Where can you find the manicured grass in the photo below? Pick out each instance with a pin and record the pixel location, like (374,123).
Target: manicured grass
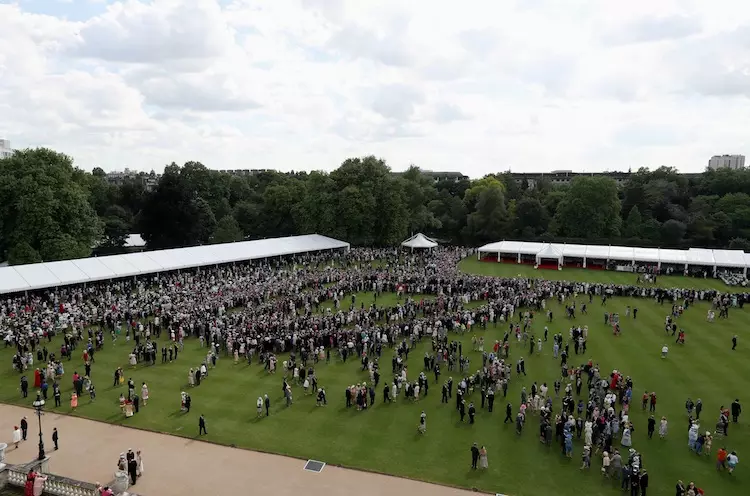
(473,266)
(384,438)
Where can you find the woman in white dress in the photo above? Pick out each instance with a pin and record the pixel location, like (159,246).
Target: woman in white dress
(663,428)
(483,463)
(144,394)
(139,461)
(16,436)
(627,439)
(259,405)
(588,430)
(191,378)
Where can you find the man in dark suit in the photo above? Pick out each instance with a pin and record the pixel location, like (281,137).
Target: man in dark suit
(54,437)
(133,471)
(24,428)
(267,404)
(474,456)
(202,425)
(644,482)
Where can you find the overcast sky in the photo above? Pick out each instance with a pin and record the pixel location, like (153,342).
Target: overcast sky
(476,86)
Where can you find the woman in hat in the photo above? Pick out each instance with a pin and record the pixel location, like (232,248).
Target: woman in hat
(144,394)
(16,435)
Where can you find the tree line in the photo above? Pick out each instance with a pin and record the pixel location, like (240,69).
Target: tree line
(51,210)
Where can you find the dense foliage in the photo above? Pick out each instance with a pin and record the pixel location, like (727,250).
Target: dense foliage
(49,210)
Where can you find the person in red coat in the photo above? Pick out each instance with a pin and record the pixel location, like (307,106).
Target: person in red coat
(28,489)
(37,379)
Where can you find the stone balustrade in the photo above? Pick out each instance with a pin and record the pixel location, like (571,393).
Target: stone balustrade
(56,485)
(15,475)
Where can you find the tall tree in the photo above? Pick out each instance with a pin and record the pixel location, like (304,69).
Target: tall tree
(45,213)
(174,215)
(634,223)
(591,208)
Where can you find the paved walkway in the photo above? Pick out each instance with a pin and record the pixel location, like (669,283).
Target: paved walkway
(175,466)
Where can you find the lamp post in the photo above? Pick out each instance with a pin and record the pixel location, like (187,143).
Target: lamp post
(38,406)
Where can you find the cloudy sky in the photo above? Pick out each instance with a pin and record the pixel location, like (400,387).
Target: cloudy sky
(476,86)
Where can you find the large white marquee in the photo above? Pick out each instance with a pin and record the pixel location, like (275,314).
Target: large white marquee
(18,278)
(693,257)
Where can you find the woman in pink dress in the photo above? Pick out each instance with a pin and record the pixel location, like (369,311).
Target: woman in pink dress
(73,401)
(39,484)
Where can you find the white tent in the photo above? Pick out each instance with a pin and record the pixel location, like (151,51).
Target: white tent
(550,252)
(678,257)
(18,278)
(418,241)
(621,253)
(701,256)
(646,255)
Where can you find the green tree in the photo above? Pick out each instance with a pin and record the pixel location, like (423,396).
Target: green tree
(634,223)
(590,208)
(247,214)
(174,215)
(672,232)
(227,230)
(530,215)
(419,191)
(117,226)
(487,221)
(740,244)
(44,208)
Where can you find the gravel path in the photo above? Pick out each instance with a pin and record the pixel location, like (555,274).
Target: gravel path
(175,466)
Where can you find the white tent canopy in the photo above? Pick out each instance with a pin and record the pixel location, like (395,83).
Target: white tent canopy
(730,258)
(550,252)
(19,278)
(419,240)
(716,259)
(701,256)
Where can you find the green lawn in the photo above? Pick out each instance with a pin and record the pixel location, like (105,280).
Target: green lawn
(473,266)
(385,438)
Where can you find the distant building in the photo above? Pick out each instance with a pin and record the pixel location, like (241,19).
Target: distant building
(727,162)
(5,149)
(242,172)
(118,178)
(438,176)
(564,177)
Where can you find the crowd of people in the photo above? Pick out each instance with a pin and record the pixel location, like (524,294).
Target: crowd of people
(298,308)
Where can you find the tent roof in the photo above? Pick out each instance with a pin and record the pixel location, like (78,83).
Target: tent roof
(573,250)
(530,248)
(419,240)
(19,278)
(550,251)
(673,256)
(730,258)
(597,251)
(700,256)
(624,253)
(693,256)
(646,254)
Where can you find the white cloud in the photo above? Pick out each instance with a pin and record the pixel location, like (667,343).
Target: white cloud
(479,86)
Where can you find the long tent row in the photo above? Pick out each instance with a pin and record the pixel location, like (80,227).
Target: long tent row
(583,255)
(20,278)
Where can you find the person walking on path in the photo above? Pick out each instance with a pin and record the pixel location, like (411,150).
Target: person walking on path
(55,438)
(202,426)
(24,428)
(16,436)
